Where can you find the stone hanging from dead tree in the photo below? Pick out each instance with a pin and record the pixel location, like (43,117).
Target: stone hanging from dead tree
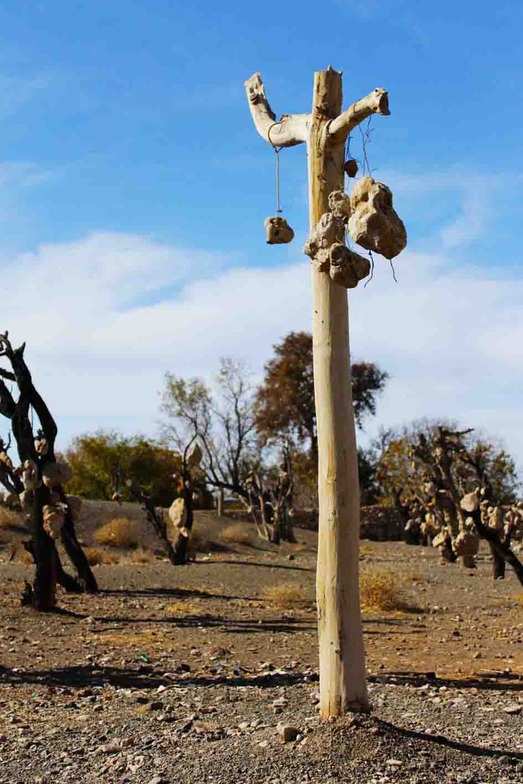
(56,473)
(374,224)
(278,231)
(30,478)
(54,518)
(350,167)
(339,203)
(470,502)
(26,500)
(177,517)
(466,544)
(347,268)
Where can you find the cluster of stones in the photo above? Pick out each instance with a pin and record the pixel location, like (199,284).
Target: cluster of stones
(53,476)
(465,544)
(368,216)
(177,515)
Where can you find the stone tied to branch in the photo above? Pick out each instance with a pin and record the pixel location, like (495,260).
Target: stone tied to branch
(374,224)
(278,231)
(326,245)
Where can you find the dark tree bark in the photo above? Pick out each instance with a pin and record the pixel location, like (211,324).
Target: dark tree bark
(503,550)
(48,568)
(76,555)
(154,516)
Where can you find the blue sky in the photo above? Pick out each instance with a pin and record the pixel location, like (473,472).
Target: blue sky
(133,189)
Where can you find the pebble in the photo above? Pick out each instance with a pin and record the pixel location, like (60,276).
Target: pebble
(513,709)
(287,732)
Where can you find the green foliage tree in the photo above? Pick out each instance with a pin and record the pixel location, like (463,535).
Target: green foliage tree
(285,399)
(94,458)
(402,469)
(285,410)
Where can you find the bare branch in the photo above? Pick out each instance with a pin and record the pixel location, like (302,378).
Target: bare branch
(376,102)
(292,129)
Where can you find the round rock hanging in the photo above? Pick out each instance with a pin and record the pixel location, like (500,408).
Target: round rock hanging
(277,230)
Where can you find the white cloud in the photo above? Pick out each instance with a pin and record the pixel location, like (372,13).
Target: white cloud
(449,336)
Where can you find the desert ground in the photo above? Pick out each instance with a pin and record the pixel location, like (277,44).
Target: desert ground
(208,672)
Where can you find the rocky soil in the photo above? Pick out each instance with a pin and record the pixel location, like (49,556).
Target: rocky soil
(189,674)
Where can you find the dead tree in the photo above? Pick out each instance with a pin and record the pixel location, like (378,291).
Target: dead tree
(334,269)
(154,515)
(223,427)
(174,530)
(38,484)
(270,500)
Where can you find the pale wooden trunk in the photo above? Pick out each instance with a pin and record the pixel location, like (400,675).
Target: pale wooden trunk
(342,656)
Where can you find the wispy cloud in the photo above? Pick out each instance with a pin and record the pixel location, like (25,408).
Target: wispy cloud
(450,336)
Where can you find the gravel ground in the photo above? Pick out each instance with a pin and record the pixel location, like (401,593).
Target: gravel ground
(188,675)
(221,725)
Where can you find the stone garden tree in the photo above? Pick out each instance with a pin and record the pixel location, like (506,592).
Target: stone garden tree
(372,223)
(37,485)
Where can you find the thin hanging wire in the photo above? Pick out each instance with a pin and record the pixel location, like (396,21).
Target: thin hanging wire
(371,257)
(365,141)
(393,271)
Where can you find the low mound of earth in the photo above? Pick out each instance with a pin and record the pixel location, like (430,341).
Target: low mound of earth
(189,674)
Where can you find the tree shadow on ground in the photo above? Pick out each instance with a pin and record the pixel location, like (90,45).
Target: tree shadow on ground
(175,593)
(142,678)
(285,624)
(493,681)
(442,740)
(257,563)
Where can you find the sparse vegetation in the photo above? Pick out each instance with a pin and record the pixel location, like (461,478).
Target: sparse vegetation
(141,556)
(381,590)
(97,556)
(287,596)
(119,532)
(9,518)
(236,533)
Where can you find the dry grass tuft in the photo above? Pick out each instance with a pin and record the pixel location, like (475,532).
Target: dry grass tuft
(19,554)
(9,518)
(118,532)
(236,533)
(97,556)
(381,590)
(141,556)
(286,596)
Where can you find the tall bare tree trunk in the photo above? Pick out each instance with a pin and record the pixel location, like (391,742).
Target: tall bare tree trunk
(342,656)
(46,557)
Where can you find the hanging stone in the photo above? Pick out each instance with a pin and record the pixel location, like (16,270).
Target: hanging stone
(350,167)
(278,231)
(339,204)
(347,268)
(374,224)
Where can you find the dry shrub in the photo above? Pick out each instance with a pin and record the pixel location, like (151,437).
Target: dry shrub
(286,596)
(97,556)
(381,590)
(9,518)
(236,533)
(19,554)
(141,556)
(118,532)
